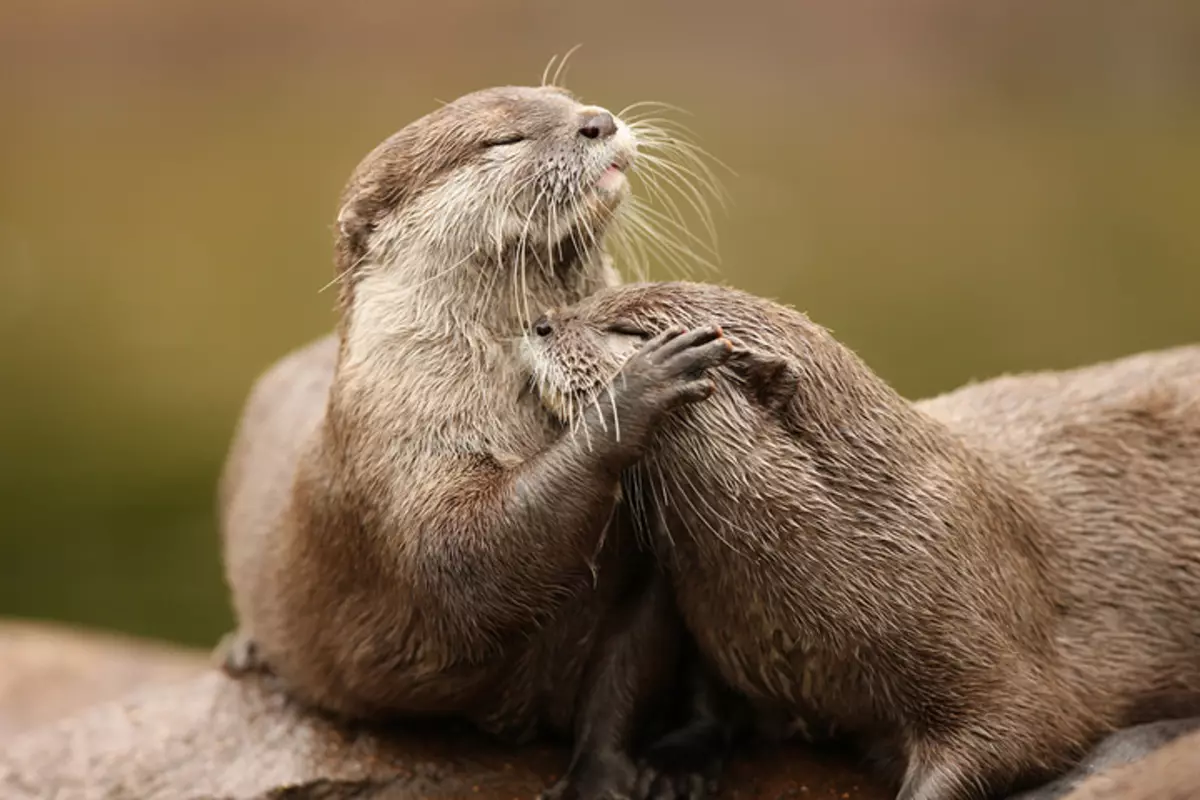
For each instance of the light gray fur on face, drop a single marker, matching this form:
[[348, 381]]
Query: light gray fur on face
[[491, 196]]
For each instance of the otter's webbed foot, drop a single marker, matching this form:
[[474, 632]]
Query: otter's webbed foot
[[598, 777], [237, 654], [685, 764]]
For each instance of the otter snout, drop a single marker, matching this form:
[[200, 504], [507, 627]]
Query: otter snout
[[596, 123]]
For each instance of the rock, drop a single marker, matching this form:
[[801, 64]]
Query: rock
[[48, 671], [199, 734], [1170, 773]]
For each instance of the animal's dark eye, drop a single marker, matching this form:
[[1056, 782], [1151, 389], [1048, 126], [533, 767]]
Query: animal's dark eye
[[626, 328], [501, 141]]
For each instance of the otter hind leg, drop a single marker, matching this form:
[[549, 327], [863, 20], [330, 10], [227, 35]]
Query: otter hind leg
[[632, 681], [686, 763]]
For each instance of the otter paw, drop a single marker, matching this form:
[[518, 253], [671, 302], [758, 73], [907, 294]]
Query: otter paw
[[671, 370], [237, 654], [613, 778], [683, 765], [654, 784]]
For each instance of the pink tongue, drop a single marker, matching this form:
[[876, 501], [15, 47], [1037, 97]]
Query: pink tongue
[[611, 177]]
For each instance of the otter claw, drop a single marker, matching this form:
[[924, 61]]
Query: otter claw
[[654, 785], [237, 654]]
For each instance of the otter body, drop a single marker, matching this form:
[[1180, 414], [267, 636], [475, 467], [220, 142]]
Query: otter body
[[405, 531], [977, 586]]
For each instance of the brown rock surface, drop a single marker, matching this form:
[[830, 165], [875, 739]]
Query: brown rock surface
[[48, 671], [208, 736], [1170, 773]]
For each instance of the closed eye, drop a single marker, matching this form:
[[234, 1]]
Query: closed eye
[[501, 141], [626, 328]]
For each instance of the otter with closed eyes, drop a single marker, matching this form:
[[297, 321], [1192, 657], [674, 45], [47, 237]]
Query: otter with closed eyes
[[406, 532], [976, 587]]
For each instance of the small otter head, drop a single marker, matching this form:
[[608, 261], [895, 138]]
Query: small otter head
[[574, 353], [499, 174]]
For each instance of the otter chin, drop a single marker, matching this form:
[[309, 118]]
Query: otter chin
[[926, 578]]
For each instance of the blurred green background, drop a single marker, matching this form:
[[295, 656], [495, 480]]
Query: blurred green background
[[957, 188]]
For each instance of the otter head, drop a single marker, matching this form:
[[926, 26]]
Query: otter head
[[497, 175], [574, 353]]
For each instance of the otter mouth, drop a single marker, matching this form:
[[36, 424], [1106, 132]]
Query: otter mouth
[[613, 178]]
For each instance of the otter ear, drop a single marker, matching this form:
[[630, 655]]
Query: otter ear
[[351, 226], [771, 379]]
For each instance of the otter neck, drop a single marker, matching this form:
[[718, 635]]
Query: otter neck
[[435, 296]]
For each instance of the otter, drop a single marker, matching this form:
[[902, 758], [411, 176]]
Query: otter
[[974, 588], [406, 532]]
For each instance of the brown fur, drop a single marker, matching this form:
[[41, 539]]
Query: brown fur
[[979, 585], [406, 533]]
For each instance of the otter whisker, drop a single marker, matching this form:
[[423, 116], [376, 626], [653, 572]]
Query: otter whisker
[[672, 252], [560, 73], [678, 179], [523, 299], [663, 503], [348, 271], [632, 481], [664, 197], [443, 273], [689, 498], [670, 129], [687, 168], [593, 561], [664, 163], [546, 70], [666, 219], [666, 141], [630, 250], [659, 173], [650, 240], [595, 403], [612, 400], [653, 104]]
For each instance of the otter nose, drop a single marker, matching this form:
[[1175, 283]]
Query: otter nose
[[597, 125], [542, 327]]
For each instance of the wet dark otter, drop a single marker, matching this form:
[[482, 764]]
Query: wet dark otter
[[406, 532], [977, 586]]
